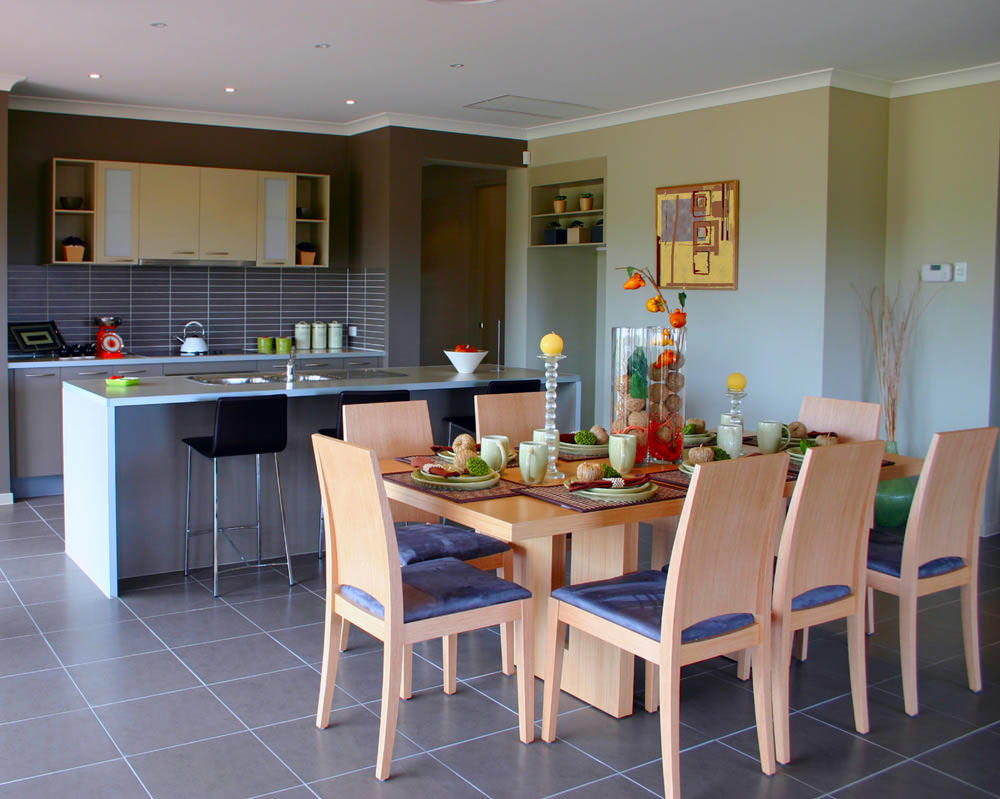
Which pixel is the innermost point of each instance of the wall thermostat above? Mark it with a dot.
(935, 273)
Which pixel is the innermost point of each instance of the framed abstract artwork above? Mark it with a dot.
(697, 233)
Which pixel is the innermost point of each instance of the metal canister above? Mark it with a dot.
(303, 336)
(335, 339)
(319, 335)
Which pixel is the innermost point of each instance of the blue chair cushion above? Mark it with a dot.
(820, 596)
(635, 601)
(420, 542)
(885, 554)
(441, 587)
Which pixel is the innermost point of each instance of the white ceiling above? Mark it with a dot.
(393, 56)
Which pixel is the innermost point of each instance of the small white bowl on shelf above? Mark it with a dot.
(466, 362)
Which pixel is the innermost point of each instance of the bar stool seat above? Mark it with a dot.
(243, 426)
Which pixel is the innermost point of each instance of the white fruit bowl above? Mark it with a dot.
(466, 362)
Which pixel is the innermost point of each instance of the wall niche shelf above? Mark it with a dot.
(543, 213)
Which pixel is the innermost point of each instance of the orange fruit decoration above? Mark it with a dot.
(678, 318)
(551, 344)
(656, 304)
(635, 281)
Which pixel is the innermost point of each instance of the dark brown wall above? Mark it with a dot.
(35, 138)
(4, 430)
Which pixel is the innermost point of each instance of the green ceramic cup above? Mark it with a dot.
(283, 344)
(265, 344)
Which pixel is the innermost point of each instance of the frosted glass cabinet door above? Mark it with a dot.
(276, 225)
(117, 213)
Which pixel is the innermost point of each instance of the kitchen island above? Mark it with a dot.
(124, 461)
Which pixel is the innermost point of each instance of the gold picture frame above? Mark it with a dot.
(697, 235)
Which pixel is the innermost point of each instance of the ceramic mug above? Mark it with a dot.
(730, 438)
(283, 344)
(494, 450)
(265, 344)
(532, 460)
(621, 452)
(772, 437)
(538, 434)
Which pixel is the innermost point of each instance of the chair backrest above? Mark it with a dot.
(825, 538)
(721, 560)
(250, 425)
(851, 420)
(513, 386)
(511, 415)
(363, 551)
(946, 514)
(345, 398)
(390, 429)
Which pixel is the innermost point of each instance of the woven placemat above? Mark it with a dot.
(560, 495)
(420, 460)
(679, 478)
(566, 456)
(502, 489)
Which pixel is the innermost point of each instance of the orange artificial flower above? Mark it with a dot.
(656, 304)
(678, 318)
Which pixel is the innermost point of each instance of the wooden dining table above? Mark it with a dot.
(605, 544)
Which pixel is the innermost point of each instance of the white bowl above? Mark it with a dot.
(466, 362)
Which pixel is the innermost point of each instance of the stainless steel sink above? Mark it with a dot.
(257, 378)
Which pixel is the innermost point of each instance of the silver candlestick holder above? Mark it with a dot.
(551, 376)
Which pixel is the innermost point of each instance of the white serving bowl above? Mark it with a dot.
(466, 362)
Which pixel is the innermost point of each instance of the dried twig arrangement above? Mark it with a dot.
(892, 321)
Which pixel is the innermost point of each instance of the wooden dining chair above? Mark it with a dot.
(820, 576)
(714, 598)
(513, 415)
(404, 428)
(940, 547)
(400, 605)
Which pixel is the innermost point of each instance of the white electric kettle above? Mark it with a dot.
(193, 343)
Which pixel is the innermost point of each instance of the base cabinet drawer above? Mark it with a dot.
(36, 422)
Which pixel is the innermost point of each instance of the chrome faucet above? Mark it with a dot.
(290, 368)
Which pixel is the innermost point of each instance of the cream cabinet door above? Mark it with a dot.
(276, 219)
(117, 237)
(228, 215)
(169, 212)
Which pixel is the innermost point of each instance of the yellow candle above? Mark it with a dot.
(551, 344)
(736, 382)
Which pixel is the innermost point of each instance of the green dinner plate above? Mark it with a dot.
(619, 496)
(697, 439)
(615, 492)
(590, 450)
(464, 483)
(449, 457)
(687, 468)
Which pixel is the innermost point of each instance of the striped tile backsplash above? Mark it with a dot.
(235, 304)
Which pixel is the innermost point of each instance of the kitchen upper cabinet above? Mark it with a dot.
(169, 212)
(117, 239)
(228, 215)
(276, 219)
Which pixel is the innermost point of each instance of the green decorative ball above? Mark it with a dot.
(892, 501)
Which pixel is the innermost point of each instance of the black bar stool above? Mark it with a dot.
(467, 424)
(354, 398)
(243, 426)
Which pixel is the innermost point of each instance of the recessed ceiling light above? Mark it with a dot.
(230, 90)
(322, 45)
(158, 25)
(95, 75)
(456, 66)
(350, 101)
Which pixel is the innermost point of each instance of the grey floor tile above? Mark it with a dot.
(420, 777)
(272, 698)
(307, 642)
(504, 768)
(947, 692)
(78, 614)
(715, 770)
(24, 547)
(58, 526)
(26, 653)
(54, 510)
(715, 706)
(103, 642)
(618, 787)
(73, 584)
(15, 621)
(823, 756)
(38, 746)
(233, 767)
(478, 652)
(349, 743)
(30, 529)
(200, 626)
(41, 502)
(18, 512)
(298, 792)
(39, 693)
(248, 584)
(141, 725)
(113, 778)
(131, 677)
(237, 657)
(361, 675)
(503, 689)
(972, 759)
(359, 641)
(37, 566)
(168, 599)
(8, 599)
(291, 610)
(911, 780)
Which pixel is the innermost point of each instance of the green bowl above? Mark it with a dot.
(892, 501)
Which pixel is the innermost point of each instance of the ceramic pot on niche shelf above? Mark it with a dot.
(559, 205)
(586, 203)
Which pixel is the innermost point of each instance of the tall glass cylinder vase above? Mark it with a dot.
(630, 369)
(668, 354)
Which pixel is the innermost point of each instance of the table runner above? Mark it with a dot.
(502, 489)
(560, 495)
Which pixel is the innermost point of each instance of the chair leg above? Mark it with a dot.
(801, 647)
(406, 673)
(670, 728)
(554, 638)
(345, 633)
(908, 651)
(743, 664)
(763, 703)
(871, 610)
(392, 668)
(187, 516)
(970, 634)
(526, 673)
(331, 657)
(215, 527)
(859, 669)
(257, 464)
(449, 662)
(781, 660)
(284, 529)
(507, 629)
(652, 687)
